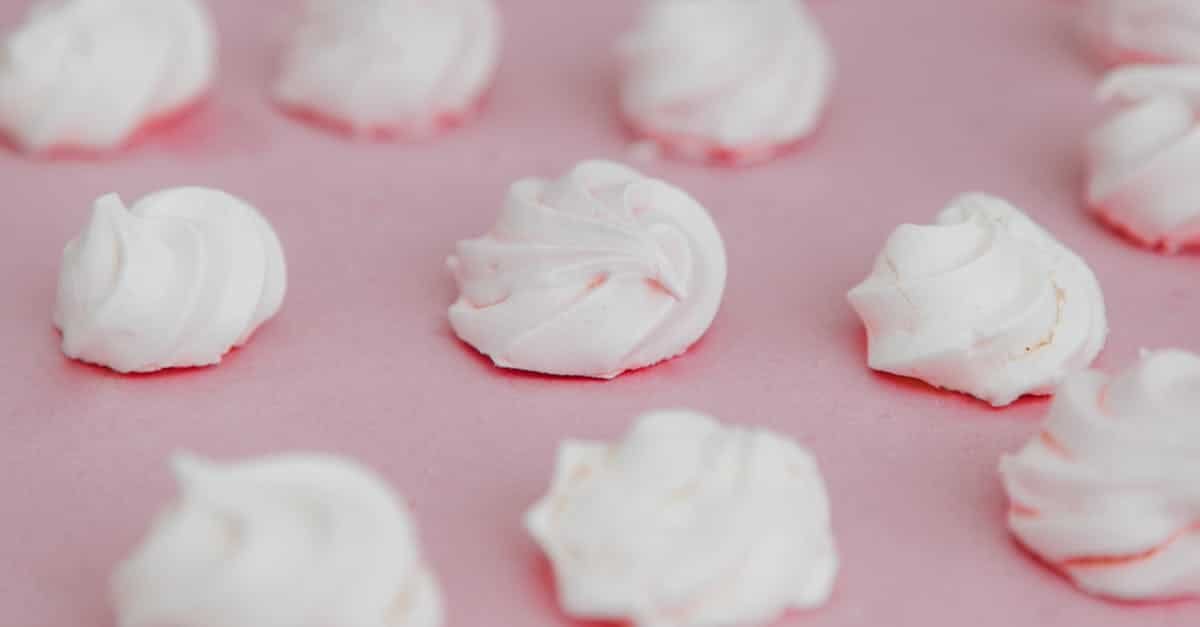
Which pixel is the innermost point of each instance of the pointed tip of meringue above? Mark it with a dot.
(189, 467)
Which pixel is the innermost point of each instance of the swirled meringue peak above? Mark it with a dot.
(390, 68)
(984, 301)
(1144, 31)
(89, 74)
(599, 272)
(727, 81)
(1109, 492)
(284, 541)
(687, 523)
(1143, 162)
(177, 280)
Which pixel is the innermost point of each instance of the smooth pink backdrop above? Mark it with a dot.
(934, 98)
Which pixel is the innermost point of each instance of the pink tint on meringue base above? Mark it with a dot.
(1163, 245)
(361, 362)
(150, 129)
(704, 150)
(436, 124)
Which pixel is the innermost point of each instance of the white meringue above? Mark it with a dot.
(984, 302)
(1143, 162)
(285, 541)
(391, 66)
(90, 73)
(176, 281)
(602, 271)
(1109, 492)
(726, 79)
(1140, 31)
(687, 523)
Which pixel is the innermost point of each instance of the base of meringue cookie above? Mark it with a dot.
(434, 125)
(139, 65)
(686, 522)
(390, 69)
(599, 272)
(177, 280)
(291, 540)
(984, 301)
(702, 150)
(1106, 493)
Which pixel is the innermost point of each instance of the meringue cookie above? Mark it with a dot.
(177, 280)
(1140, 31)
(90, 73)
(687, 523)
(1109, 492)
(726, 80)
(285, 541)
(1143, 162)
(391, 66)
(984, 302)
(602, 271)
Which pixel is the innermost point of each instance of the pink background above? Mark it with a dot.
(935, 97)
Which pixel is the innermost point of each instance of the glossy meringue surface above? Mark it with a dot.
(984, 301)
(1109, 491)
(408, 67)
(285, 541)
(1142, 161)
(734, 76)
(1140, 31)
(88, 74)
(687, 523)
(601, 271)
(176, 280)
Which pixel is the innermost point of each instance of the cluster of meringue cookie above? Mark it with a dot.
(686, 523)
(730, 81)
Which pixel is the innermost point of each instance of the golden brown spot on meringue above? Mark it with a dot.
(1054, 444)
(1060, 298)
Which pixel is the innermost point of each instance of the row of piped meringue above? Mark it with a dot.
(733, 81)
(629, 528)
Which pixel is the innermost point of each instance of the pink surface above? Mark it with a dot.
(934, 98)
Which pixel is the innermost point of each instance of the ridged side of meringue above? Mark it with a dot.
(599, 272)
(1142, 163)
(726, 77)
(177, 280)
(282, 541)
(984, 302)
(89, 74)
(397, 67)
(687, 523)
(1109, 491)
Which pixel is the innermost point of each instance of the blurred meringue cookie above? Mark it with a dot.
(984, 302)
(177, 280)
(284, 541)
(1144, 162)
(89, 74)
(599, 272)
(687, 523)
(1144, 31)
(730, 81)
(1109, 492)
(391, 67)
